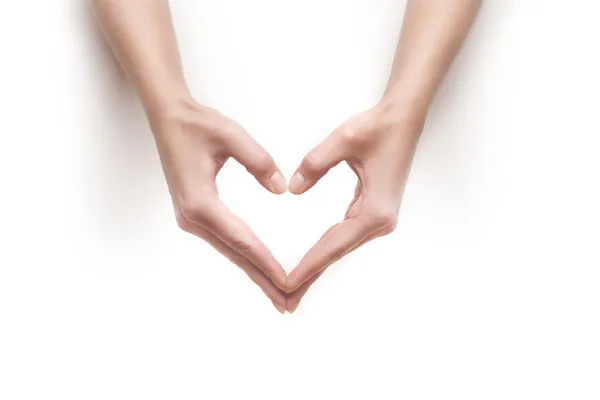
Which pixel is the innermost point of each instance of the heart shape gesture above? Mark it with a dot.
(195, 141)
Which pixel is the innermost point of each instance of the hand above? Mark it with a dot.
(194, 142)
(378, 145)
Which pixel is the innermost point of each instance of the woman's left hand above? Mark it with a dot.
(378, 145)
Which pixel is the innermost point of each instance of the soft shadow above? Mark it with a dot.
(450, 155)
(122, 175)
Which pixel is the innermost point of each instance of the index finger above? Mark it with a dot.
(239, 237)
(277, 296)
(294, 298)
(342, 238)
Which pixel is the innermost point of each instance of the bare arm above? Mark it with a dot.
(142, 37)
(379, 143)
(193, 141)
(432, 34)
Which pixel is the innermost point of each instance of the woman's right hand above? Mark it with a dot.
(194, 142)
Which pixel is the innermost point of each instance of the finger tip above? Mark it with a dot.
(277, 183)
(279, 278)
(293, 191)
(280, 308)
(281, 284)
(292, 282)
(291, 308)
(297, 184)
(291, 287)
(279, 190)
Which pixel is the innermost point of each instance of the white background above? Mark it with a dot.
(489, 289)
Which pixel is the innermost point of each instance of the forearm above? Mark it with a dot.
(432, 34)
(142, 37)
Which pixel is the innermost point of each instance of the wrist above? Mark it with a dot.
(169, 107)
(159, 99)
(406, 112)
(409, 98)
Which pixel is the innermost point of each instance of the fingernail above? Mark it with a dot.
(297, 183)
(279, 308)
(277, 183)
(291, 310)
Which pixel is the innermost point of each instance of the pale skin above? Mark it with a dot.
(195, 141)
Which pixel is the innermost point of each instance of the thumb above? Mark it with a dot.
(318, 162)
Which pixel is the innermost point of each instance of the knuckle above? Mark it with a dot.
(311, 163)
(351, 135)
(243, 247)
(348, 135)
(391, 227)
(229, 127)
(211, 130)
(263, 164)
(182, 222)
(236, 259)
(194, 209)
(228, 130)
(383, 218)
(336, 253)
